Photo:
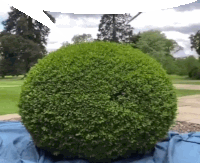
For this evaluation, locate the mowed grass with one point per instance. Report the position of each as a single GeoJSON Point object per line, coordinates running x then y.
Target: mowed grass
{"type": "Point", "coordinates": [183, 80]}
{"type": "Point", "coordinates": [10, 89]}
{"type": "Point", "coordinates": [176, 79]}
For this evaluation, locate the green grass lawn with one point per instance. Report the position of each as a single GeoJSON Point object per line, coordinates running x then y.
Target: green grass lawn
{"type": "Point", "coordinates": [183, 80]}
{"type": "Point", "coordinates": [10, 89]}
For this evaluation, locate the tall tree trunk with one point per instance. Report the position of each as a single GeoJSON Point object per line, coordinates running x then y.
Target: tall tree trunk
{"type": "Point", "coordinates": [114, 30]}
{"type": "Point", "coordinates": [30, 28]}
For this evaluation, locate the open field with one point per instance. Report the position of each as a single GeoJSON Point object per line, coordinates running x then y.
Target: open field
{"type": "Point", "coordinates": [10, 88]}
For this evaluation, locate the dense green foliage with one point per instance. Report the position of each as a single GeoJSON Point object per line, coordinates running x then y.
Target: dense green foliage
{"type": "Point", "coordinates": [97, 100]}
{"type": "Point", "coordinates": [113, 27]}
{"type": "Point", "coordinates": [33, 32]}
{"type": "Point", "coordinates": [158, 46]}
{"type": "Point", "coordinates": [194, 40]}
{"type": "Point", "coordinates": [185, 65]}
{"type": "Point", "coordinates": [193, 72]}
{"type": "Point", "coordinates": [197, 75]}
{"type": "Point", "coordinates": [169, 64]}
{"type": "Point", "coordinates": [17, 54]}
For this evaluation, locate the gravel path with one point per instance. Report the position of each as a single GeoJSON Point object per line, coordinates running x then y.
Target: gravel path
{"type": "Point", "coordinates": [185, 127]}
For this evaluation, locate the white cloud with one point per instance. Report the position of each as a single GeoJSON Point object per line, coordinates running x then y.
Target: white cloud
{"type": "Point", "coordinates": [4, 9]}
{"type": "Point", "coordinates": [66, 34]}
{"type": "Point", "coordinates": [183, 40]}
{"type": "Point", "coordinates": [165, 18]}
{"type": "Point", "coordinates": [176, 35]}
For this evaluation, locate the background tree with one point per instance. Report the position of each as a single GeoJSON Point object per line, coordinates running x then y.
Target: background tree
{"type": "Point", "coordinates": [156, 45]}
{"type": "Point", "coordinates": [191, 62]}
{"type": "Point", "coordinates": [154, 41]}
{"type": "Point", "coordinates": [182, 69]}
{"type": "Point", "coordinates": [82, 38]}
{"type": "Point", "coordinates": [8, 55]}
{"type": "Point", "coordinates": [172, 47]}
{"type": "Point", "coordinates": [134, 39]}
{"type": "Point", "coordinates": [65, 44]}
{"type": "Point", "coordinates": [20, 24]}
{"type": "Point", "coordinates": [113, 27]}
{"type": "Point", "coordinates": [185, 65]}
{"type": "Point", "coordinates": [6, 68]}
{"type": "Point", "coordinates": [195, 42]}
{"type": "Point", "coordinates": [16, 52]}
{"type": "Point", "coordinates": [169, 64]}
{"type": "Point", "coordinates": [129, 32]}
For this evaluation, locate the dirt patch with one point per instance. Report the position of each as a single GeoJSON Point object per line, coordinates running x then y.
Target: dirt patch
{"type": "Point", "coordinates": [185, 127]}
{"type": "Point", "coordinates": [10, 117]}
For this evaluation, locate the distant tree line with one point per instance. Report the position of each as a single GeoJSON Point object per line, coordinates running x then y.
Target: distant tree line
{"type": "Point", "coordinates": [23, 40]}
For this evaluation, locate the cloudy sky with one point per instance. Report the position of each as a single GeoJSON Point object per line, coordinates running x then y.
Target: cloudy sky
{"type": "Point", "coordinates": [176, 23]}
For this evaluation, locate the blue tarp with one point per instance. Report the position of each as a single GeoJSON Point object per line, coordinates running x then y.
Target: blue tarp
{"type": "Point", "coordinates": [16, 146]}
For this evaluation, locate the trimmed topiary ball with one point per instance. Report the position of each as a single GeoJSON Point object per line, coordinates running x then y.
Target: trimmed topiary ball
{"type": "Point", "coordinates": [98, 101]}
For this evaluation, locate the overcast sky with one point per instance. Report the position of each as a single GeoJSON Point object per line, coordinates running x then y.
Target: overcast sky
{"type": "Point", "coordinates": [177, 23]}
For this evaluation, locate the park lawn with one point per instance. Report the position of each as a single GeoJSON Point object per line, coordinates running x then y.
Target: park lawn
{"type": "Point", "coordinates": [183, 80]}
{"type": "Point", "coordinates": [10, 89]}
{"type": "Point", "coordinates": [9, 97]}
{"type": "Point", "coordinates": [183, 92]}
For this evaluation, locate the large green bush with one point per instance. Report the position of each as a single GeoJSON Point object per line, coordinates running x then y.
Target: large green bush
{"type": "Point", "coordinates": [193, 72]}
{"type": "Point", "coordinates": [97, 101]}
{"type": "Point", "coordinates": [191, 62]}
{"type": "Point", "coordinates": [197, 75]}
